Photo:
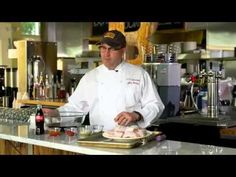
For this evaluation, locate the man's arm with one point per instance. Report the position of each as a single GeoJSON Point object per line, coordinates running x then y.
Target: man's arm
{"type": "Point", "coordinates": [151, 103]}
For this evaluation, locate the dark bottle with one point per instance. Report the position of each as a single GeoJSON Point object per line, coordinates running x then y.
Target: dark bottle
{"type": "Point", "coordinates": [39, 120]}
{"type": "Point", "coordinates": [62, 90]}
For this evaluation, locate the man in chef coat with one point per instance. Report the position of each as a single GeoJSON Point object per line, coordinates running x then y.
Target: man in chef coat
{"type": "Point", "coordinates": [116, 92]}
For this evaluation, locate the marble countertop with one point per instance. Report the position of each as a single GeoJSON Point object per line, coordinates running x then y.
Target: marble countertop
{"type": "Point", "coordinates": [66, 143]}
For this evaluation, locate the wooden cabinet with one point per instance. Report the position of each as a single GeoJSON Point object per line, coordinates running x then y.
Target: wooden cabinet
{"type": "Point", "coordinates": [8, 147]}
{"type": "Point", "coordinates": [39, 150]}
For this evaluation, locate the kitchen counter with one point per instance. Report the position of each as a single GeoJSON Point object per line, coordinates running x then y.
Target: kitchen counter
{"type": "Point", "coordinates": [197, 119]}
{"type": "Point", "coordinates": [196, 128]}
{"type": "Point", "coordinates": [66, 143]}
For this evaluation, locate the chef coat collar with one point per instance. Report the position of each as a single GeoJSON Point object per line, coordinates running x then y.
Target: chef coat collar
{"type": "Point", "coordinates": [118, 68]}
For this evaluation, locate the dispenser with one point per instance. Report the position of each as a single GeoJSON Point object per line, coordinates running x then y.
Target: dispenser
{"type": "Point", "coordinates": [212, 91]}
{"type": "Point", "coordinates": [34, 57]}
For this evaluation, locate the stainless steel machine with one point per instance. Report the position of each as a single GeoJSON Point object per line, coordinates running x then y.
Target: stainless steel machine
{"type": "Point", "coordinates": [2, 84]}
{"type": "Point", "coordinates": [8, 88]}
{"type": "Point", "coordinates": [168, 86]}
{"type": "Point", "coordinates": [212, 87]}
{"type": "Point", "coordinates": [166, 77]}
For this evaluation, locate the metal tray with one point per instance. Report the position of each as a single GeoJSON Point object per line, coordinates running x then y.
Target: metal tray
{"type": "Point", "coordinates": [98, 140]}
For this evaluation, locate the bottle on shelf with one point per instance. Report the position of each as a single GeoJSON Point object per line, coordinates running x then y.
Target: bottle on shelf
{"type": "Point", "coordinates": [31, 86]}
{"type": "Point", "coordinates": [58, 86]}
{"type": "Point", "coordinates": [48, 88]}
{"type": "Point", "coordinates": [62, 91]}
{"type": "Point", "coordinates": [36, 89]}
{"type": "Point", "coordinates": [41, 86]}
{"type": "Point", "coordinates": [54, 87]}
{"type": "Point", "coordinates": [51, 80]}
{"type": "Point", "coordinates": [39, 120]}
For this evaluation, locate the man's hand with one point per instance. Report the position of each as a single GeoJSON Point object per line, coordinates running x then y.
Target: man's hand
{"type": "Point", "coordinates": [124, 118]}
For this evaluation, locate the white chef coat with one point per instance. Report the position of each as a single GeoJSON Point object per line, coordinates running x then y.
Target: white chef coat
{"type": "Point", "coordinates": [105, 93]}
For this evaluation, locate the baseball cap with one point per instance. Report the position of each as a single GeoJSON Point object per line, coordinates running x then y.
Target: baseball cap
{"type": "Point", "coordinates": [113, 38]}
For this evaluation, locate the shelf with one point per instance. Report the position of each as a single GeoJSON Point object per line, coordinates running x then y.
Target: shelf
{"type": "Point", "coordinates": [199, 56]}
{"type": "Point", "coordinates": [54, 103]}
{"type": "Point", "coordinates": [188, 56]}
{"type": "Point", "coordinates": [151, 63]}
{"type": "Point", "coordinates": [221, 59]}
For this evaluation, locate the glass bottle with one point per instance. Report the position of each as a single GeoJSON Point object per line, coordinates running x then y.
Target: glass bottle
{"type": "Point", "coordinates": [36, 89]}
{"type": "Point", "coordinates": [62, 91]}
{"type": "Point", "coordinates": [41, 86]}
{"type": "Point", "coordinates": [39, 120]}
{"type": "Point", "coordinates": [54, 87]}
{"type": "Point", "coordinates": [58, 86]}
{"type": "Point", "coordinates": [48, 88]}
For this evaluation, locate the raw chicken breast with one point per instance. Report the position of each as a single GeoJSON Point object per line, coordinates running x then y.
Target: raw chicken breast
{"type": "Point", "coordinates": [127, 132]}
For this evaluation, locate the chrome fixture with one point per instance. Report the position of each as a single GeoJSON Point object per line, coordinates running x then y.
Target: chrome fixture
{"type": "Point", "coordinates": [212, 93]}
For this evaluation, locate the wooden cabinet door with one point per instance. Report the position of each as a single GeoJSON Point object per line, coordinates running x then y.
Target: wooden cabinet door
{"type": "Point", "coordinates": [39, 150]}
{"type": "Point", "coordinates": [13, 148]}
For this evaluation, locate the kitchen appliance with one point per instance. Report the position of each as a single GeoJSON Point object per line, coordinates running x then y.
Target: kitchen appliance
{"type": "Point", "coordinates": [35, 65]}
{"type": "Point", "coordinates": [34, 57]}
{"type": "Point", "coordinates": [2, 84]}
{"type": "Point", "coordinates": [212, 90]}
{"type": "Point", "coordinates": [8, 88]}
{"type": "Point", "coordinates": [168, 86]}
{"type": "Point", "coordinates": [11, 89]}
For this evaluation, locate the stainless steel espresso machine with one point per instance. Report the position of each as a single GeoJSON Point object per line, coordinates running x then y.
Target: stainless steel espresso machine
{"type": "Point", "coordinates": [2, 84]}
{"type": "Point", "coordinates": [166, 77]}
{"type": "Point", "coordinates": [8, 88]}
{"type": "Point", "coordinates": [168, 86]}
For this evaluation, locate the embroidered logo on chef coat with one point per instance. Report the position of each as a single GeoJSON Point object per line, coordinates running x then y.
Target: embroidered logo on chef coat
{"type": "Point", "coordinates": [133, 81]}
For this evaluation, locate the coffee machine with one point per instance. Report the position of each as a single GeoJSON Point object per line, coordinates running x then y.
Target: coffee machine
{"type": "Point", "coordinates": [8, 88]}
{"type": "Point", "coordinates": [2, 84]}
{"type": "Point", "coordinates": [168, 86]}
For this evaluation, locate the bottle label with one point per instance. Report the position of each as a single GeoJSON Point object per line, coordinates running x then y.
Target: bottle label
{"type": "Point", "coordinates": [39, 118]}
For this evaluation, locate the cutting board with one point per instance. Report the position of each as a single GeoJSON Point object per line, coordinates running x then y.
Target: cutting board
{"type": "Point", "coordinates": [99, 141]}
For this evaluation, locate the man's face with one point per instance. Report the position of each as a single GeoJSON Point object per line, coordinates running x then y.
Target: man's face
{"type": "Point", "coordinates": [111, 57]}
